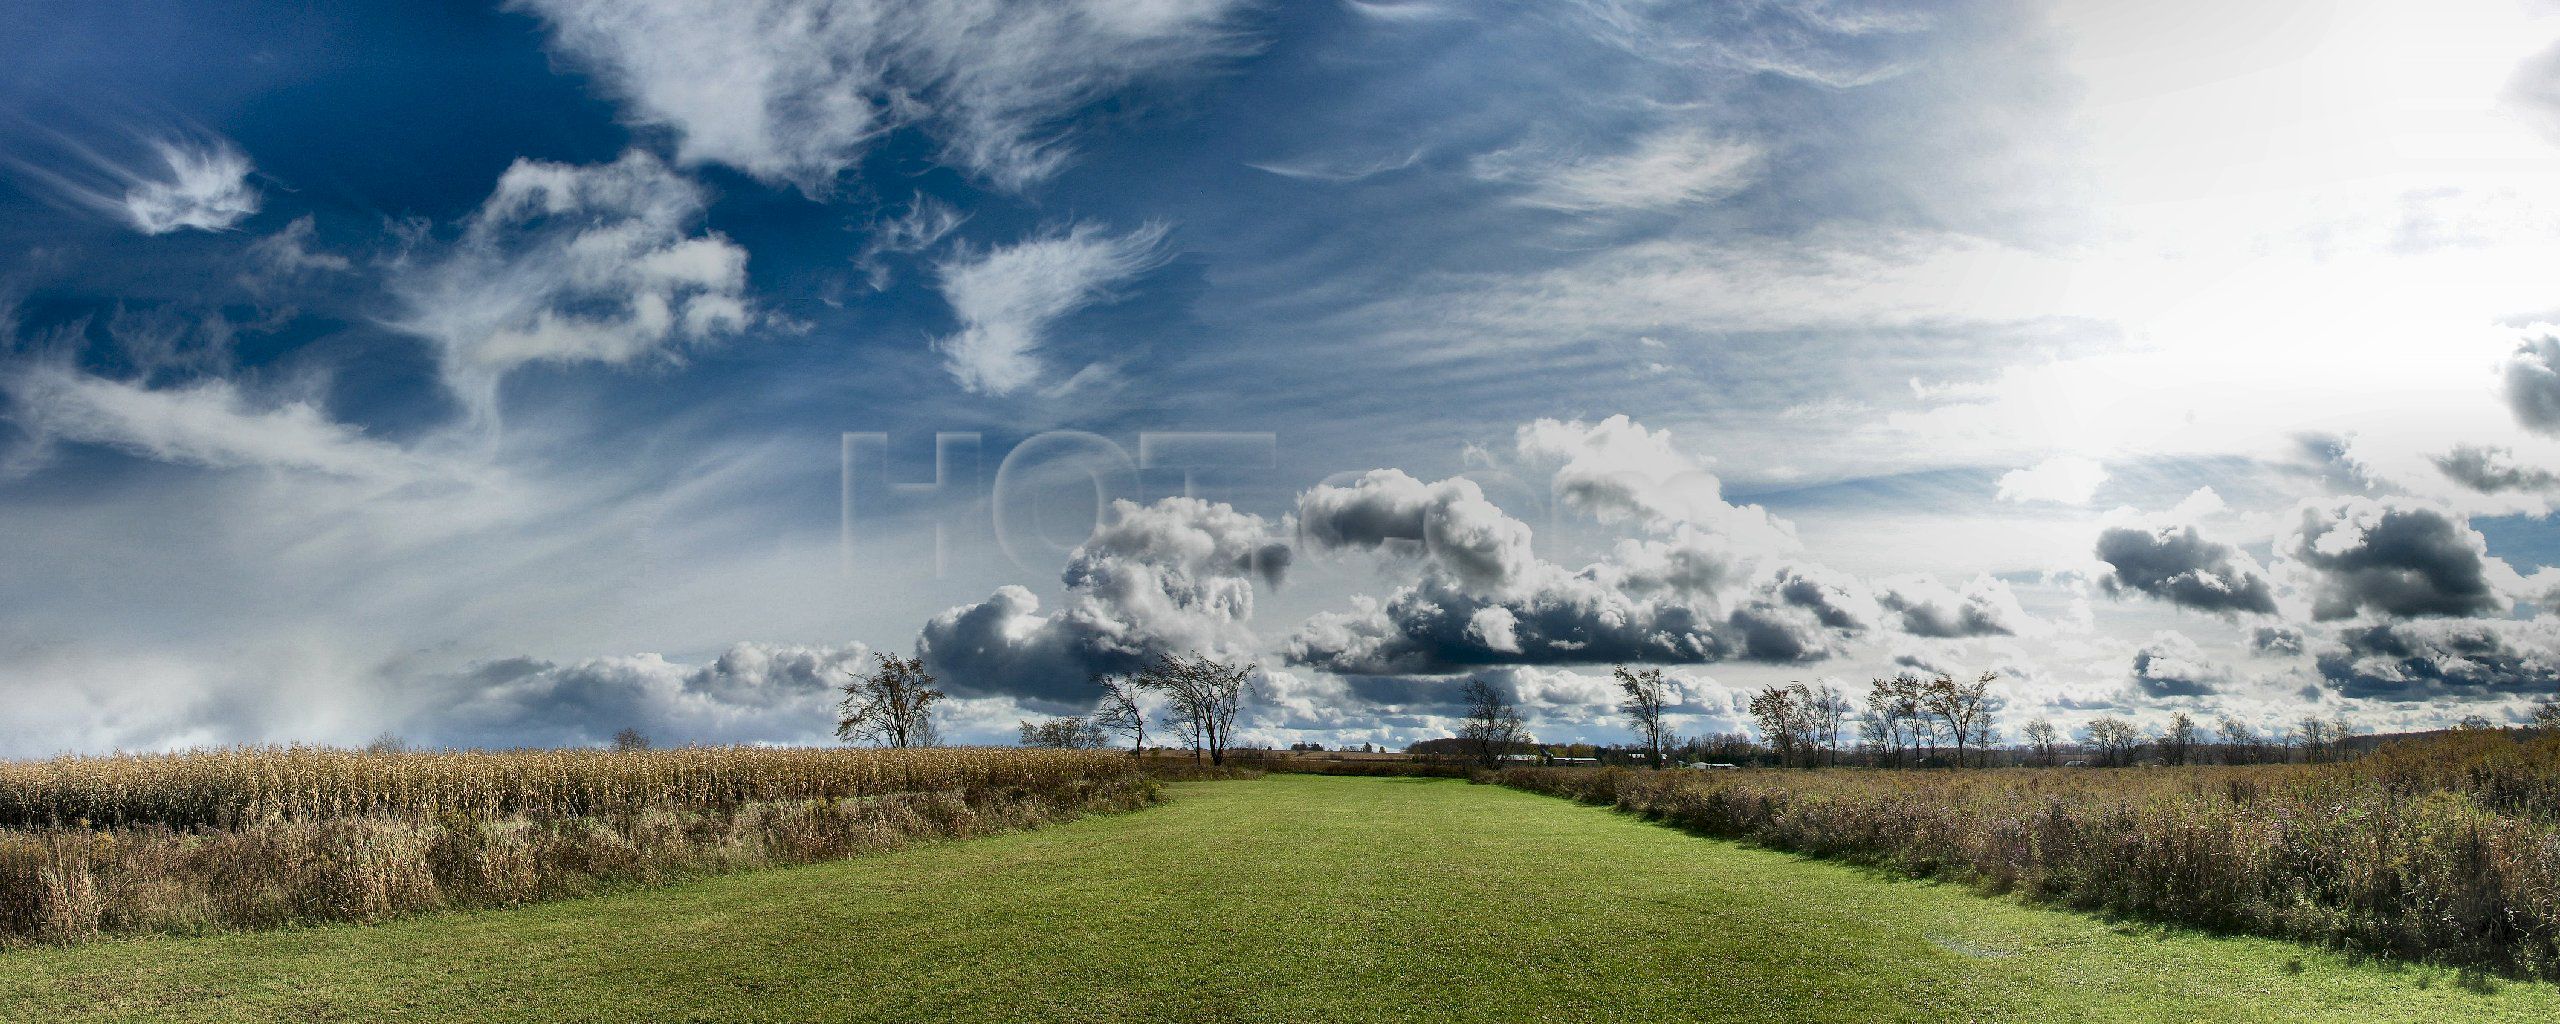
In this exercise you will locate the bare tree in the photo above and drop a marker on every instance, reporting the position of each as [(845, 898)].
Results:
[(1202, 697), (1831, 710), (1801, 723), (2313, 733), (2238, 741), (1782, 714), (2177, 738), (1493, 722), (2342, 734), (630, 739), (2546, 715), (2118, 742), (891, 707), (1965, 709), (1121, 714), (2043, 740), (1069, 733), (1646, 699), (1893, 726)]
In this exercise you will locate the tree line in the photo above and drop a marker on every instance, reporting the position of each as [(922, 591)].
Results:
[(1200, 698)]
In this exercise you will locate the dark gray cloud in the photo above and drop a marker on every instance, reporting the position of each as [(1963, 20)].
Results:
[(2398, 560), (2532, 375), (752, 693), (1583, 618), (2443, 659), (1439, 625), (2277, 641), (2493, 470), (2179, 565), (1449, 523), (2172, 666), (1925, 607), (1175, 575)]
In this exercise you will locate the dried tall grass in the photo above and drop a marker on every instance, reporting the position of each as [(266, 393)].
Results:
[(2447, 850), (257, 837)]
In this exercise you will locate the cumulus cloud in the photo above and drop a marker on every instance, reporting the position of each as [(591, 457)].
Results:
[(1801, 614), (752, 693), (2532, 377), (2493, 470), (1665, 168), (1448, 523), (1618, 471), (602, 263), (1007, 297), (1706, 581), (797, 90), (1173, 576), (1925, 607), (2393, 559), (1562, 617), (2443, 659), (2171, 665), (2178, 564), (2062, 480)]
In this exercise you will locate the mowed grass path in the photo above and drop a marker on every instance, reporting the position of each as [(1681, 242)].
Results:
[(1284, 899)]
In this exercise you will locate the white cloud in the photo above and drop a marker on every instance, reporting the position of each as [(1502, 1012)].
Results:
[(1008, 297), (209, 423), (603, 263), (1616, 470), (289, 252), (797, 90), (2062, 479), (155, 182), (1700, 586), (1669, 167), (200, 186)]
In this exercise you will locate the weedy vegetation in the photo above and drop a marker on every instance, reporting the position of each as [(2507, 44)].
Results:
[(2445, 849), (243, 838)]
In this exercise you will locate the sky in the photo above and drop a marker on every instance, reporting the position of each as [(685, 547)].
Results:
[(517, 373)]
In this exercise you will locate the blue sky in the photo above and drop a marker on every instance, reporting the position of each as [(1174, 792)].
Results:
[(484, 373)]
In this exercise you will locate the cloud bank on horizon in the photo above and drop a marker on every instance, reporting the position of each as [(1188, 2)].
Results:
[(2155, 361)]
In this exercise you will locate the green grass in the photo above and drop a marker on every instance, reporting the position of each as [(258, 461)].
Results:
[(1286, 899)]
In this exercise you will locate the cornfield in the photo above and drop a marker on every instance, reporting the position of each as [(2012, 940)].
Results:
[(2446, 850), (254, 837)]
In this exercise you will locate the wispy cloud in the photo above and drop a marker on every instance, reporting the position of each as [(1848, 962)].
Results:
[(154, 182), (1670, 167), (211, 423), (1007, 298), (797, 90), (604, 263), (205, 187)]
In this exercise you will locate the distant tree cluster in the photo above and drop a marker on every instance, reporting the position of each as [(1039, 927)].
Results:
[(1070, 732), (1802, 723), (1911, 720)]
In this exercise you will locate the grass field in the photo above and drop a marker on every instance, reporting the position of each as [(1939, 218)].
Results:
[(1288, 898)]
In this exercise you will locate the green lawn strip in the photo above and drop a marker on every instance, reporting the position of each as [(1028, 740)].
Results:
[(1285, 899)]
